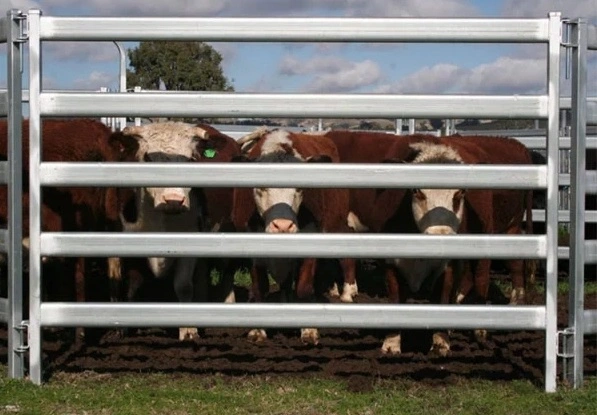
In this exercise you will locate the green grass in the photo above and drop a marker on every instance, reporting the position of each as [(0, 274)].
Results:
[(90, 393)]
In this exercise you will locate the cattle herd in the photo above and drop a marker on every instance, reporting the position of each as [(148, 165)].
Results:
[(279, 210)]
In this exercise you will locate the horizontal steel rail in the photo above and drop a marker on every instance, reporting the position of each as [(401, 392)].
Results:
[(3, 310), (292, 315), (591, 108), (315, 175), (233, 105), (591, 181), (4, 27), (590, 321), (3, 103), (3, 240), (3, 172), (590, 252), (329, 245), (539, 142), (564, 216), (591, 37), (295, 29)]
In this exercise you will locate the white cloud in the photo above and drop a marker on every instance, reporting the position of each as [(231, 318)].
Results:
[(436, 79), (352, 77), (319, 64), (91, 52), (94, 81), (505, 75), (540, 8), (331, 73), (362, 8)]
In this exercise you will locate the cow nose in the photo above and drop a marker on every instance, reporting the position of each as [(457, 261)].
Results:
[(173, 200), (174, 204), (439, 230), (282, 226)]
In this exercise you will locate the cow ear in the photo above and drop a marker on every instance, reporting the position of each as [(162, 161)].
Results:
[(241, 158), (125, 145), (319, 159)]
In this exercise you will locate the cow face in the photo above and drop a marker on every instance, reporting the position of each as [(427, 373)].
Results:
[(168, 199), (437, 211), (278, 206), (166, 142)]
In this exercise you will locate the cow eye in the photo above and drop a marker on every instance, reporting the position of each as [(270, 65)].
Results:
[(459, 194), (419, 194)]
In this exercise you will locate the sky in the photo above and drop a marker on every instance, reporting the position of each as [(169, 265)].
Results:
[(323, 68)]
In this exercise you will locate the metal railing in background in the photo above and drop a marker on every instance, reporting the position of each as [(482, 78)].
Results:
[(11, 308), (580, 321)]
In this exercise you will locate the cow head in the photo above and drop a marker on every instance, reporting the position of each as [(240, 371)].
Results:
[(278, 207), (170, 142), (437, 211)]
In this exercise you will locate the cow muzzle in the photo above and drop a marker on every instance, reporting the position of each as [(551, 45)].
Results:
[(439, 221), (280, 218), (173, 203)]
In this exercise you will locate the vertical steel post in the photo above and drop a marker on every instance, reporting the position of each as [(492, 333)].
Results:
[(551, 214), (16, 355), (35, 139), (122, 80), (573, 366), (398, 125)]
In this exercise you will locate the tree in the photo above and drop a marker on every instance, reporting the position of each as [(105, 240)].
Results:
[(176, 66)]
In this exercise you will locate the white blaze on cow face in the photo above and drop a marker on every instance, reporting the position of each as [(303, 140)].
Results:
[(278, 206), (167, 142), (437, 211)]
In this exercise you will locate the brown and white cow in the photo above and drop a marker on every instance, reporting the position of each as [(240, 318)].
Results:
[(178, 209), (289, 210), (383, 210), (77, 209)]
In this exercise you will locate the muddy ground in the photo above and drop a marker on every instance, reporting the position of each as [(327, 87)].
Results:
[(352, 355)]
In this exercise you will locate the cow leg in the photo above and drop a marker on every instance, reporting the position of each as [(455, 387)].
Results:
[(115, 277), (259, 290), (392, 342), (304, 291), (516, 268), (482, 290), (184, 269), (80, 291), (350, 289), (441, 339)]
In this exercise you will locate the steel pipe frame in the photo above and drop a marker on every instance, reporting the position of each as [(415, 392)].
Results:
[(14, 180), (428, 30)]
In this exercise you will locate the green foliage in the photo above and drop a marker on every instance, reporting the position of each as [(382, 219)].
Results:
[(178, 66)]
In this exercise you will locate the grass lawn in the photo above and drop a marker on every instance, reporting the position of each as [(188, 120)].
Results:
[(91, 393)]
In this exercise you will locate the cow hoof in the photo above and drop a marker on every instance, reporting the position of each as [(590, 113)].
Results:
[(441, 345), (310, 336), (230, 298), (187, 333), (257, 336), (349, 291), (481, 335), (517, 296), (392, 345), (334, 292)]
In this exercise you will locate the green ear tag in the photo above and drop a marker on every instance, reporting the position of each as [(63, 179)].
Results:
[(209, 153)]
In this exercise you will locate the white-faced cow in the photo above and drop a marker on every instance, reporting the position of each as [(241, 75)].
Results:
[(290, 210), (172, 209), (384, 210)]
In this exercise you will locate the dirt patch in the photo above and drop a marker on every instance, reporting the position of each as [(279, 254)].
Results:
[(352, 355)]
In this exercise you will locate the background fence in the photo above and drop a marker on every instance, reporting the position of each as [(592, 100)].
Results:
[(44, 104)]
